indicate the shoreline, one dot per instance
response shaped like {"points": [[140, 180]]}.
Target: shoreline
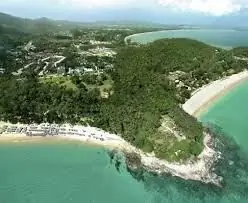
{"points": [[16, 139], [205, 96], [198, 170], [179, 29], [136, 34], [34, 132]]}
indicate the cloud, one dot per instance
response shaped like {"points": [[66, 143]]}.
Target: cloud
{"points": [[98, 3], [213, 7]]}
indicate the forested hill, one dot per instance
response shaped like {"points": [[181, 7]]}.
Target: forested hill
{"points": [[241, 52], [25, 25], [46, 25], [150, 84]]}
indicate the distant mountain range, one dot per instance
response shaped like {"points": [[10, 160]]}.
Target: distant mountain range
{"points": [[24, 25], [9, 23], [131, 17]]}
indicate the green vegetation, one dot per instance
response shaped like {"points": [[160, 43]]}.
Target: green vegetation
{"points": [[76, 83], [144, 93], [136, 94], [29, 100], [60, 81], [240, 52], [42, 25]]}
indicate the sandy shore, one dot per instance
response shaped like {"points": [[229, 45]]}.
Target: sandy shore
{"points": [[137, 34], [205, 96], [20, 138], [110, 144], [199, 170], [133, 35], [10, 138]]}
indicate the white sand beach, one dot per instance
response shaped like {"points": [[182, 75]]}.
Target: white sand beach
{"points": [[87, 134], [141, 33], [204, 96], [198, 170]]}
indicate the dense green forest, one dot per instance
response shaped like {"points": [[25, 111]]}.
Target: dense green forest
{"points": [[29, 100], [240, 51], [144, 95]]}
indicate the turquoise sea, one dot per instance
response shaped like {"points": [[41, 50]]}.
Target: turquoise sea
{"points": [[220, 38], [49, 172], [73, 172]]}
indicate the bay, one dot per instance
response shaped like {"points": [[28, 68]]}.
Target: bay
{"points": [[72, 172], [226, 39]]}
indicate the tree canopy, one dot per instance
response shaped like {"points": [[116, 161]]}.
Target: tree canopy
{"points": [[150, 84]]}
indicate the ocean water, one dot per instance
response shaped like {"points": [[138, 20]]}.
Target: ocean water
{"points": [[63, 172], [231, 114], [67, 172], [220, 38], [228, 117]]}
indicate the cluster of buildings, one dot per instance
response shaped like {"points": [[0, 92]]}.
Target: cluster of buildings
{"points": [[48, 62], [100, 52], [46, 129], [2, 70]]}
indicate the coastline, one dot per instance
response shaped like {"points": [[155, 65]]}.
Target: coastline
{"points": [[136, 34], [205, 96], [18, 139], [199, 169], [179, 29], [85, 134]]}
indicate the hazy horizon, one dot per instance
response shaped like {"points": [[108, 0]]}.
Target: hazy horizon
{"points": [[156, 11]]}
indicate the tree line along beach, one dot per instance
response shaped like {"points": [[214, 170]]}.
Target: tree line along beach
{"points": [[133, 99], [196, 171]]}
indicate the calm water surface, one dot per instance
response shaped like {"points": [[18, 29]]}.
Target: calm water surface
{"points": [[70, 172], [51, 173], [220, 38]]}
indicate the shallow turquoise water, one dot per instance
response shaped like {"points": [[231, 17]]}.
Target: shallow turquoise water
{"points": [[229, 117], [220, 38], [70, 172], [231, 113], [63, 173]]}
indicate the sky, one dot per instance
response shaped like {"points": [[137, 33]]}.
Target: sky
{"points": [[97, 9]]}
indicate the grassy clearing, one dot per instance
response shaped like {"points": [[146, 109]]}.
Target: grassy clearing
{"points": [[62, 81], [67, 82], [107, 85]]}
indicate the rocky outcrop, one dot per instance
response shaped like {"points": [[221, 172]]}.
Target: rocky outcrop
{"points": [[200, 169]]}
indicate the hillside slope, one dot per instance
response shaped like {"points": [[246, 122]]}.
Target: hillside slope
{"points": [[151, 82], [41, 25]]}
